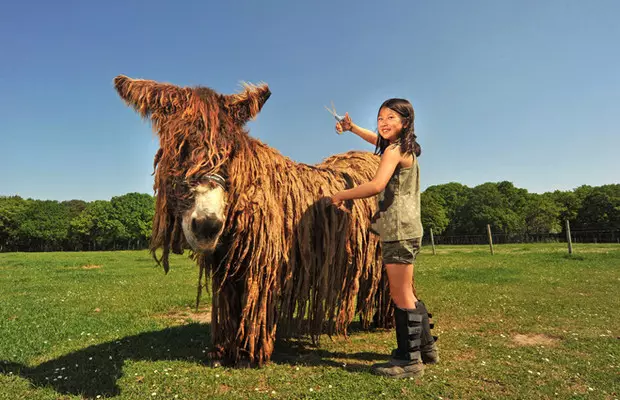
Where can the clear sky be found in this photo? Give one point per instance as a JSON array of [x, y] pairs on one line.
[[526, 91]]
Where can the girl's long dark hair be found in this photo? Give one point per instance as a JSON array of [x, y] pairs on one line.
[[407, 137]]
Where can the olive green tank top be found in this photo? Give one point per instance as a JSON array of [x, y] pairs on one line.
[[398, 209]]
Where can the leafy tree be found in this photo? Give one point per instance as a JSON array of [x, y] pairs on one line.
[[600, 210], [492, 204], [44, 225], [542, 214], [568, 204], [453, 196], [11, 213], [433, 212], [96, 227], [135, 212]]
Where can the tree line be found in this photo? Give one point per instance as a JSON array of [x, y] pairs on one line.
[[451, 209], [124, 222]]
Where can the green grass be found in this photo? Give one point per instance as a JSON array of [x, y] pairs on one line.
[[124, 329]]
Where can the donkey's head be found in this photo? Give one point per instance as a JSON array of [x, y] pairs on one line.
[[199, 132]]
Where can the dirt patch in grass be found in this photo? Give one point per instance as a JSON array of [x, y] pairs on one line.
[[90, 266], [223, 388], [189, 315], [466, 355], [535, 340]]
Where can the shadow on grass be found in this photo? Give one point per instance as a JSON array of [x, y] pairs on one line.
[[300, 351], [96, 369]]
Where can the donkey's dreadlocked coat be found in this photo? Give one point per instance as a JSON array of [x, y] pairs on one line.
[[285, 258]]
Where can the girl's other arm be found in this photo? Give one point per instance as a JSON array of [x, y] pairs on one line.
[[389, 162]]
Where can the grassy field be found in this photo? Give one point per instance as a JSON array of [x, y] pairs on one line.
[[530, 322]]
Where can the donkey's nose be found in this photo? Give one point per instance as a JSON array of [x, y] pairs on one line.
[[205, 227]]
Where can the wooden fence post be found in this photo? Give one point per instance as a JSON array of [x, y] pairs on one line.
[[490, 238], [568, 239], [433, 241]]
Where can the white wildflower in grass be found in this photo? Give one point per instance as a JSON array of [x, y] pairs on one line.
[[154, 394], [217, 375], [296, 368], [330, 386], [529, 371], [312, 390], [90, 358], [590, 389], [273, 392]]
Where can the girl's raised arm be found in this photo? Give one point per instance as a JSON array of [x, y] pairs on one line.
[[347, 125]]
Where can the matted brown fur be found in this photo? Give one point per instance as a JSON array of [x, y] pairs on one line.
[[287, 260]]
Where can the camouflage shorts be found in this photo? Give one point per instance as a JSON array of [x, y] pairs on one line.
[[400, 251]]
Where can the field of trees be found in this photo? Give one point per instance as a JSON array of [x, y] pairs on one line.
[[451, 210]]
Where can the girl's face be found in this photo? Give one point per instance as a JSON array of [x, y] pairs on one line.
[[389, 124]]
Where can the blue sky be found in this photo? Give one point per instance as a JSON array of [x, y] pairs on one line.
[[525, 91]]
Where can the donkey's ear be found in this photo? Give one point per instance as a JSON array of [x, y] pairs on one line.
[[150, 97], [247, 104]]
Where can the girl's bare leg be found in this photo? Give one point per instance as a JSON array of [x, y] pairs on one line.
[[400, 277]]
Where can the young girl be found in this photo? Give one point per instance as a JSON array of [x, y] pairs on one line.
[[398, 222]]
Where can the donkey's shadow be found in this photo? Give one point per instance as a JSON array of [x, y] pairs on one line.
[[95, 370]]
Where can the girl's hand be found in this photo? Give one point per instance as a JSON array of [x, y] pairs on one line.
[[345, 125], [339, 203]]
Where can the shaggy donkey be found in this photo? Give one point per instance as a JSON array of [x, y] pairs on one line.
[[279, 256]]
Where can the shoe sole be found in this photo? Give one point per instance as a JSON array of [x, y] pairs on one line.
[[404, 375]]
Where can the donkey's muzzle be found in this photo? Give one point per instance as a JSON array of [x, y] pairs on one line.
[[205, 228]]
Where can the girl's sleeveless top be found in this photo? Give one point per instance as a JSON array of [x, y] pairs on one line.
[[398, 206]]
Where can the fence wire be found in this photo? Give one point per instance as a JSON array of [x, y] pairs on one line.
[[584, 236]]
